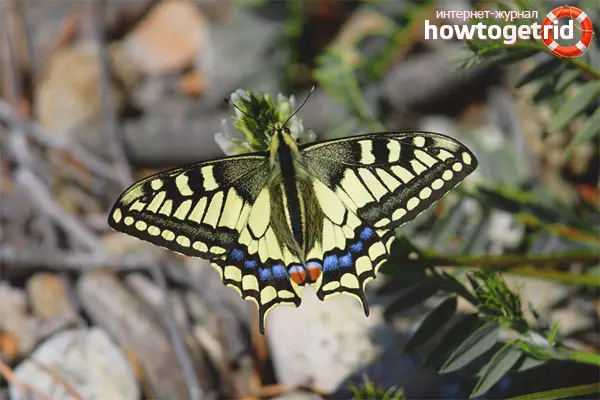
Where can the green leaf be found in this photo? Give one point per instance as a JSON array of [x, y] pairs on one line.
[[510, 56], [588, 132], [402, 263], [393, 286], [546, 92], [584, 357], [480, 341], [433, 322], [540, 71], [499, 365], [575, 105], [566, 78], [417, 295], [529, 363], [562, 393], [552, 335], [457, 334]]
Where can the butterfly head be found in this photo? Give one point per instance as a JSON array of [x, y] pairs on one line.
[[282, 142]]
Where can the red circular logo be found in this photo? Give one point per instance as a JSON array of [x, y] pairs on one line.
[[586, 28]]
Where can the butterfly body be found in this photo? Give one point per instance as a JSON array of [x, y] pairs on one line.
[[321, 213]]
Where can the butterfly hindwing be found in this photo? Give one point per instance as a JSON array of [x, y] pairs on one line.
[[258, 265], [197, 210]]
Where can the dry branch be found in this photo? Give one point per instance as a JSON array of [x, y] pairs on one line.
[[10, 116], [112, 131], [58, 260], [46, 203]]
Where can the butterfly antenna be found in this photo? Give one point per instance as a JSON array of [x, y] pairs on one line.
[[231, 103], [301, 105]]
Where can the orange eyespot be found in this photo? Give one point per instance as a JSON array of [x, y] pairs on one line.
[[314, 270], [298, 275]]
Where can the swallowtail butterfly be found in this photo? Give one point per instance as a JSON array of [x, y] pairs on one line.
[[320, 213]]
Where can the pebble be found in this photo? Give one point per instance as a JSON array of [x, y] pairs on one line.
[[83, 362]]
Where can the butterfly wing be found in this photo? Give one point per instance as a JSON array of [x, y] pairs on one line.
[[367, 186], [218, 210], [197, 210]]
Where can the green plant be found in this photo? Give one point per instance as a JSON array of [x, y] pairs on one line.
[[570, 86], [368, 391]]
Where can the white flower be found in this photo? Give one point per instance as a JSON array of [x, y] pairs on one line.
[[284, 107], [230, 145]]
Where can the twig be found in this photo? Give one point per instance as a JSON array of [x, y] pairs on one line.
[[48, 205], [179, 345], [66, 35], [558, 276], [524, 265], [68, 388], [278, 390], [10, 377], [57, 260], [112, 132], [19, 55], [509, 261], [11, 117]]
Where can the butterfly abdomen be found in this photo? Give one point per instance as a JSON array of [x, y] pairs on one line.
[[287, 152]]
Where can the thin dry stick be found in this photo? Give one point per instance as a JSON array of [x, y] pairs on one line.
[[112, 132], [58, 260], [10, 116], [10, 377], [57, 378], [66, 35], [41, 195], [179, 345], [17, 54]]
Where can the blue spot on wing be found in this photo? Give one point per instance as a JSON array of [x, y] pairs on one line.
[[356, 247], [250, 264], [264, 274], [330, 263], [366, 234], [236, 255], [346, 260], [279, 271]]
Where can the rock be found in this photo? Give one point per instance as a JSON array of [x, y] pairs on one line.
[[112, 306], [69, 95], [571, 320], [171, 36], [83, 362], [149, 291], [425, 81], [330, 340], [49, 298], [237, 56], [15, 320]]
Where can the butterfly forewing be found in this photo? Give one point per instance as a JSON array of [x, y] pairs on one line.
[[389, 178], [197, 210]]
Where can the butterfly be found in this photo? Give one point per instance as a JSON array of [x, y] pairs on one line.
[[273, 221]]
